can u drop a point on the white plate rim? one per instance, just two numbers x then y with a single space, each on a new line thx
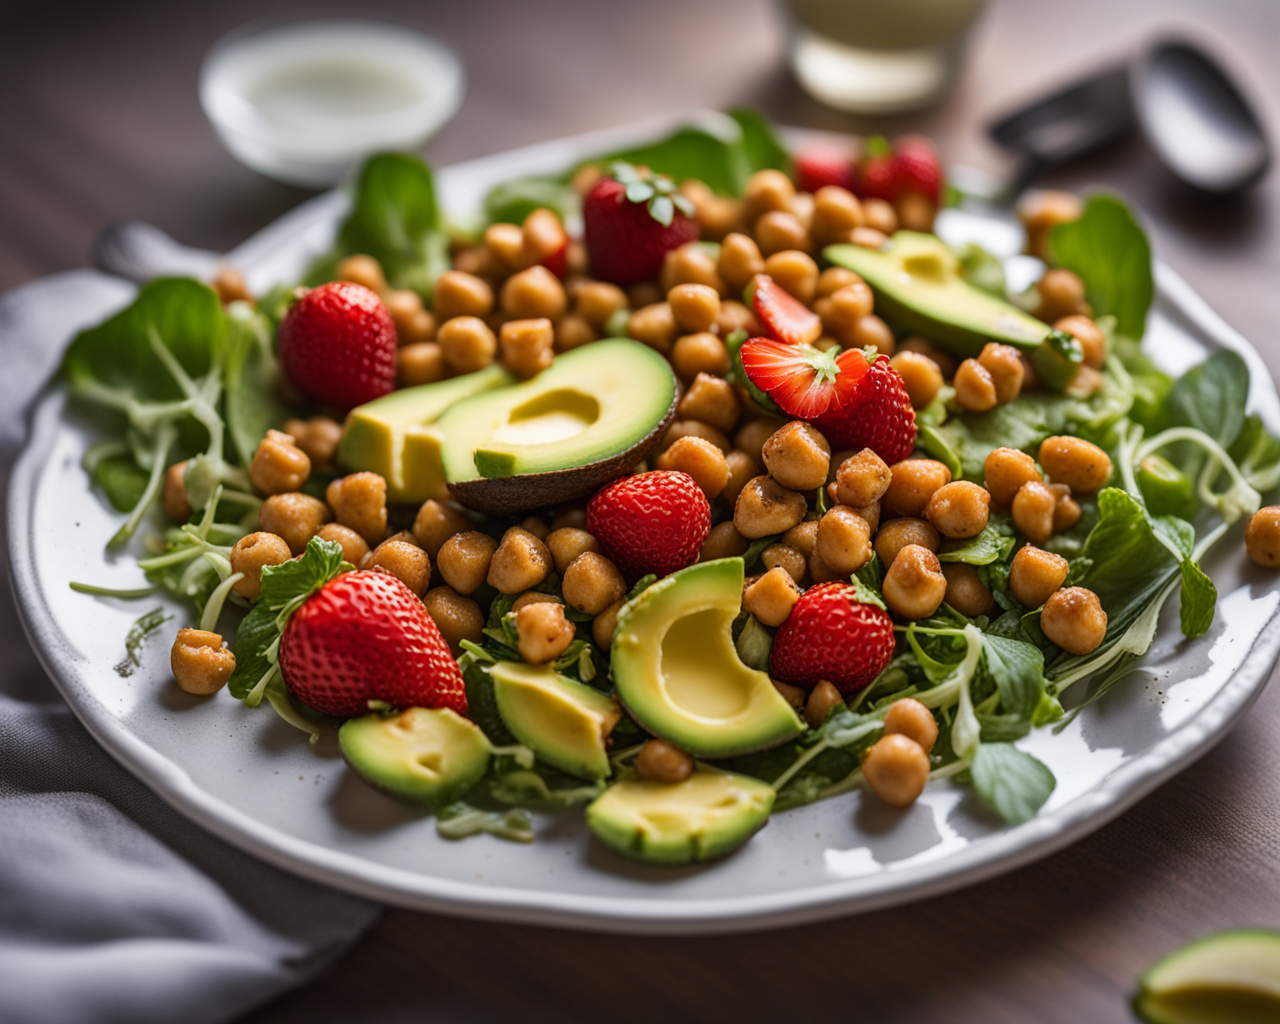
997 855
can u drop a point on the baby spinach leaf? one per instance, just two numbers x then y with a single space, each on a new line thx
510 202
1109 250
1211 397
931 439
991 545
1011 782
690 153
1257 454
252 402
122 480
760 144
1017 668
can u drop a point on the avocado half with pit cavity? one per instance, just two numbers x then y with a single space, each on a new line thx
918 286
679 675
396 437
585 420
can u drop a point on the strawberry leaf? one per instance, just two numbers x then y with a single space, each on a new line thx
662 210
639 192
683 204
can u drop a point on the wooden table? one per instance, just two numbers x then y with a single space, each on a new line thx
99 122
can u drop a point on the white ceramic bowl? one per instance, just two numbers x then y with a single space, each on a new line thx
304 102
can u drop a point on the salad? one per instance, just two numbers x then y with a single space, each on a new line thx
701 482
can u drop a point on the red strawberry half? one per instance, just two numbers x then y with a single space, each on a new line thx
630 221
784 317
802 381
817 168
650 522
365 636
831 635
878 417
338 345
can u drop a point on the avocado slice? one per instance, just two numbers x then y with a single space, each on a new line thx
678 673
394 435
1230 977
707 815
918 286
563 721
433 755
583 421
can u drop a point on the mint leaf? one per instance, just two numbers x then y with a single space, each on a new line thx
1109 250
301 577
1011 782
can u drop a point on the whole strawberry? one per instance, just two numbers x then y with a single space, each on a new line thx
651 522
365 636
831 635
817 168
878 416
891 172
631 220
338 345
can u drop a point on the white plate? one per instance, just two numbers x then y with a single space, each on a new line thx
255 782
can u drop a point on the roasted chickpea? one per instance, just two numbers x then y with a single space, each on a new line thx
862 479
532 294
734 316
458 618
1005 471
914 586
724 541
1262 537
542 632
701 460
296 517
573 332
177 506
1061 294
958 509
833 279
413 322
505 245
844 540
420 363
604 624
689 264
465 559
660 761
1091 338
897 534
251 554
361 269
868 238
467 344
803 537
527 346
896 769
1086 382
1033 508
916 212
278 465
793 695
694 428
1066 513
975 387
796 272
820 572
742 467
1035 574
836 212
353 545
879 216
655 326
1041 211
842 311
912 484
694 306
739 261
435 523
1004 364
319 437
908 717
751 437
360 502
1082 466
699 353
766 507
710 400
1074 620
520 562
771 597
543 236
567 543
597 301
459 294
872 332
199 661
921 376
823 699
402 558
785 557
592 583
945 361
869 513
797 456
966 592
765 191
231 286
778 231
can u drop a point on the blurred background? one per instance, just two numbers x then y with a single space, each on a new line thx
100 121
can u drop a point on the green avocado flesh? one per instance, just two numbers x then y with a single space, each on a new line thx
591 405
707 815
562 721
1231 978
678 673
433 755
918 286
395 436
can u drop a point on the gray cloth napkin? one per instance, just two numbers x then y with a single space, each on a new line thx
113 908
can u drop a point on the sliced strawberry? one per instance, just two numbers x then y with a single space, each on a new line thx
817 168
802 381
785 318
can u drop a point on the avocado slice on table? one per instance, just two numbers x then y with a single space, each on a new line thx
585 420
707 815
1229 978
918 286
677 671
395 437
433 755
561 720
